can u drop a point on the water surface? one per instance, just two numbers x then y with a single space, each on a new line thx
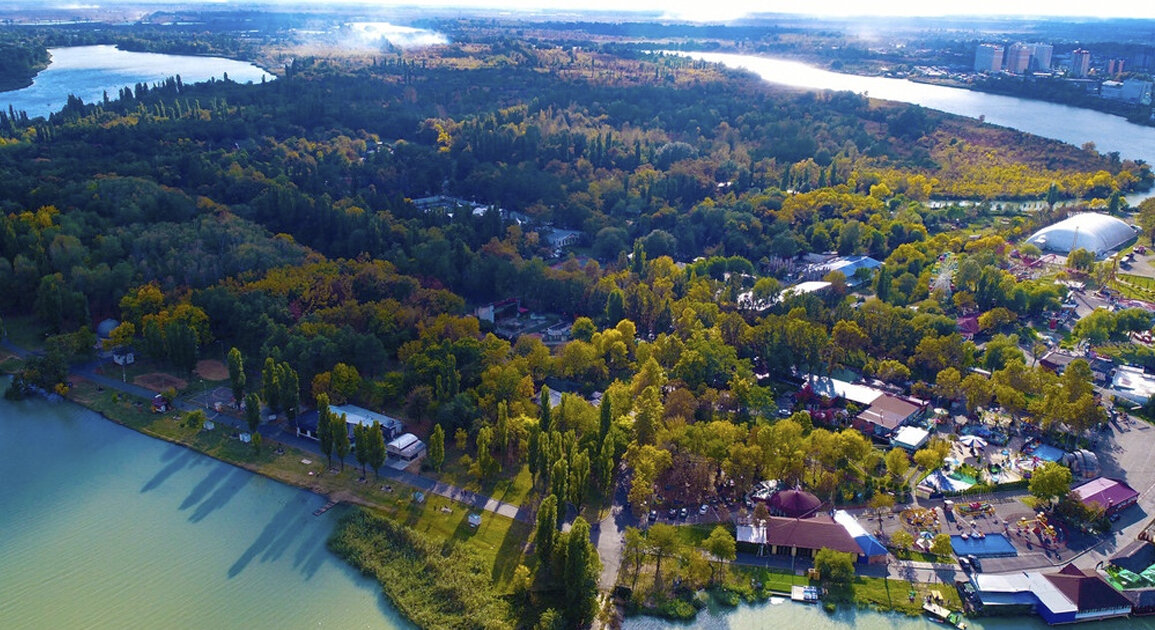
1068 124
102 527
89 71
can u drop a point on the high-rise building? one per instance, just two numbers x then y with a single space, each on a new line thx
1041 57
1018 58
988 58
1114 67
1080 62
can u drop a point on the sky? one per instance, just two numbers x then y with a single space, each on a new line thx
722 10
711 10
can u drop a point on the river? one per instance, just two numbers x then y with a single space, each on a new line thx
89 71
1072 125
104 527
798 616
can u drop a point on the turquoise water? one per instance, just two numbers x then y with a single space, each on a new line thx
89 71
807 617
102 527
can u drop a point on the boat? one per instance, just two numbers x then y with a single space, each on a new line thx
943 615
804 594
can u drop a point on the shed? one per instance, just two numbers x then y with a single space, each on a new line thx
475 520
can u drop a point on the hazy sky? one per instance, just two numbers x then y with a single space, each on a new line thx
729 9
720 10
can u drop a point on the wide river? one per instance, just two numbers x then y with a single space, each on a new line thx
102 527
1072 125
90 71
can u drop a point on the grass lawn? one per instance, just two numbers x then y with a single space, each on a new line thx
24 331
498 540
895 594
509 486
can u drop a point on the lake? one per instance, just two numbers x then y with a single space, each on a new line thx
104 527
89 71
1072 125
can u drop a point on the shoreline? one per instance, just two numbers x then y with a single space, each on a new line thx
353 498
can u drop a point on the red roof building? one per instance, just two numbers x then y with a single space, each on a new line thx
1110 495
794 503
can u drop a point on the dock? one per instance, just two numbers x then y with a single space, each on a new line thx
804 594
325 508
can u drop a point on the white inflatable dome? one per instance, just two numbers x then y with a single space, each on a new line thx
1092 231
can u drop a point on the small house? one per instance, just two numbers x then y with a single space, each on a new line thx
123 355
407 447
475 520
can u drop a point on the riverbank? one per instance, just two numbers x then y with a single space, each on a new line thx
493 548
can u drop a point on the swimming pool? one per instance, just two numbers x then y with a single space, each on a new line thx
990 546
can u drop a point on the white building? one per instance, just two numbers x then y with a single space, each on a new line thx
1041 57
407 447
1095 232
1129 90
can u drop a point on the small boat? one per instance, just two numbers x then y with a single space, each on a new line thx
943 615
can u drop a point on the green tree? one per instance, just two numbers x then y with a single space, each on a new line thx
580 576
361 446
270 387
436 447
237 373
606 419
377 452
663 543
835 567
487 465
897 463
579 475
583 329
635 551
902 539
324 427
253 411
546 533
941 546
559 485
545 419
195 419
881 503
256 441
339 426
720 543
290 395
1050 481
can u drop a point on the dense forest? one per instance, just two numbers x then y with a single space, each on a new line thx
279 219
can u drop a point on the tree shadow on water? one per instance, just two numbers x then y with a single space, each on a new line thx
206 485
183 459
267 537
222 495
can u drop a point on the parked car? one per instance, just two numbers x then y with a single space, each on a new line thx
702 510
975 563
684 513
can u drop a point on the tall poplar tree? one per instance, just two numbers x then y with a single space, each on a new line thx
237 373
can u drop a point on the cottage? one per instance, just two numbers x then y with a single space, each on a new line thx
886 414
406 447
